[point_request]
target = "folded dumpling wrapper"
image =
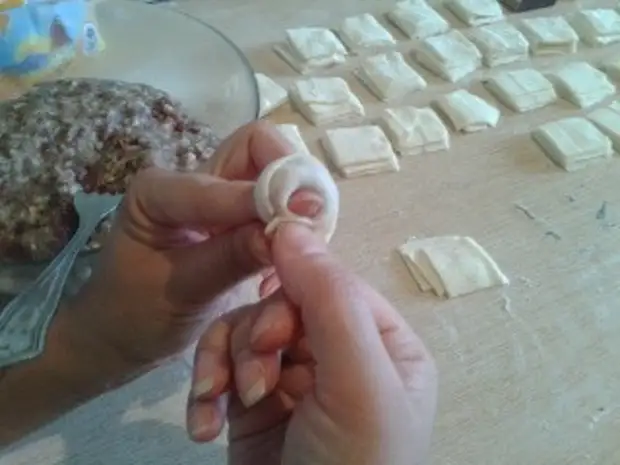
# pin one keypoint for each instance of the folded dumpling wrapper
(468, 112)
(310, 48)
(451, 266)
(271, 94)
(282, 178)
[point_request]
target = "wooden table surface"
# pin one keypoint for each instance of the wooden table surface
(529, 374)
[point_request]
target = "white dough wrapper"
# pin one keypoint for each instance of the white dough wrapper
(451, 266)
(285, 176)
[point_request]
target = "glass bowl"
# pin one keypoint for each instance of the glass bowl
(127, 41)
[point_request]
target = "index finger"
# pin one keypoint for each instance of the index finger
(247, 151)
(173, 199)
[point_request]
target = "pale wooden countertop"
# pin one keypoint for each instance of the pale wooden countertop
(528, 373)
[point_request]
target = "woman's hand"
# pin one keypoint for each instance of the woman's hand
(324, 372)
(179, 256)
(180, 253)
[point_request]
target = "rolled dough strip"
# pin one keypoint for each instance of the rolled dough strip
(285, 176)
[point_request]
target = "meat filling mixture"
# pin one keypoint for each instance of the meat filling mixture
(88, 134)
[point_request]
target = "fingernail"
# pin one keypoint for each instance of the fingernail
(251, 383)
(287, 401)
(203, 387)
(269, 286)
(218, 334)
(263, 324)
(306, 203)
(205, 375)
(203, 425)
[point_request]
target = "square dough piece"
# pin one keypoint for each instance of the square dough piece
(389, 76)
(325, 100)
(451, 266)
(582, 84)
(550, 35)
(573, 143)
(272, 95)
(598, 27)
(607, 120)
(365, 32)
(415, 130)
(360, 151)
(292, 134)
(310, 48)
(522, 90)
(451, 56)
(476, 12)
(500, 44)
(417, 20)
(468, 112)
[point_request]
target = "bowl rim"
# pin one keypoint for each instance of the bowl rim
(244, 59)
(237, 50)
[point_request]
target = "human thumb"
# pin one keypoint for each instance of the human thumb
(336, 309)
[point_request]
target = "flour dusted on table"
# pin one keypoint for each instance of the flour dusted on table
(86, 134)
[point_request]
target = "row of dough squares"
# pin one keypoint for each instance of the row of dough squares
(450, 53)
(406, 130)
(330, 100)
(409, 130)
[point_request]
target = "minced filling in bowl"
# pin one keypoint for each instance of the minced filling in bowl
(158, 89)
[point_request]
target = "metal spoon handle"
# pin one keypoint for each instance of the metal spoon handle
(25, 320)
